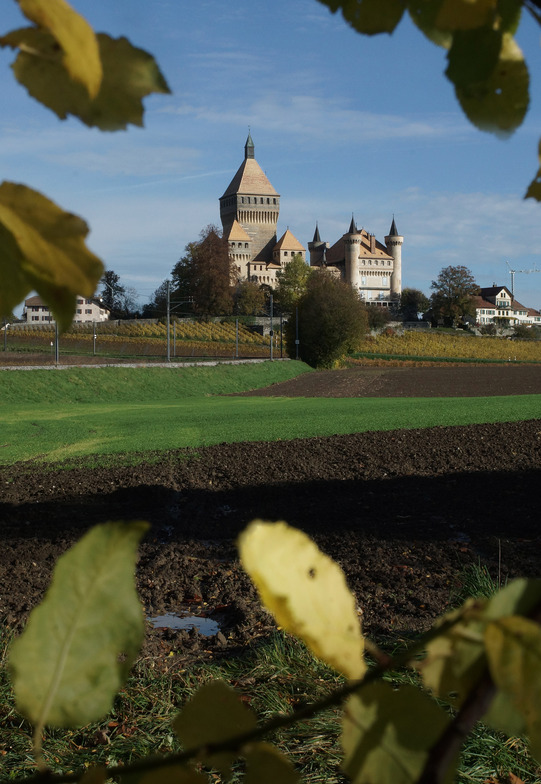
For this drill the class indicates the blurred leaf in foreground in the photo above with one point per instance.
(80, 642)
(42, 248)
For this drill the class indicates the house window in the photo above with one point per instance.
(35, 318)
(88, 310)
(79, 310)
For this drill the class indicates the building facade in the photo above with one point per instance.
(35, 311)
(496, 305)
(249, 211)
(373, 268)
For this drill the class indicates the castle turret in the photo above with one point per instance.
(352, 242)
(394, 242)
(317, 250)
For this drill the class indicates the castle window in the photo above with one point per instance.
(285, 253)
(245, 244)
(268, 201)
(242, 199)
(274, 201)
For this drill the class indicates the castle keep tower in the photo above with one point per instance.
(250, 206)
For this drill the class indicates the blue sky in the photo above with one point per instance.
(341, 123)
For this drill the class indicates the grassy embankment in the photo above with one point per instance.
(52, 415)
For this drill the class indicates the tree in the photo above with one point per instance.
(207, 274)
(120, 300)
(249, 298)
(377, 317)
(454, 290)
(413, 302)
(292, 282)
(157, 307)
(331, 321)
(484, 62)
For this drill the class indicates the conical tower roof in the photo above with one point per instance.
(250, 177)
(393, 231)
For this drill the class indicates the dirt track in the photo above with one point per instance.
(401, 511)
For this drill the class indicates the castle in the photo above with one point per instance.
(249, 211)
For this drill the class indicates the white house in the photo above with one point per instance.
(37, 312)
(496, 305)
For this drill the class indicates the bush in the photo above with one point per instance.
(332, 321)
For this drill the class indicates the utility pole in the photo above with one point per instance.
(513, 272)
(168, 289)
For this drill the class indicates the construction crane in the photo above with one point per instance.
(513, 272)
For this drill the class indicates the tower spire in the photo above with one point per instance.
(249, 147)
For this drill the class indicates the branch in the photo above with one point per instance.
(236, 744)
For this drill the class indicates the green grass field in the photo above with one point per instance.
(52, 416)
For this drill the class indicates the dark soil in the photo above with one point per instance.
(403, 512)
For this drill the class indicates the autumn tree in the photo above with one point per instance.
(249, 298)
(413, 302)
(206, 274)
(454, 289)
(292, 282)
(331, 321)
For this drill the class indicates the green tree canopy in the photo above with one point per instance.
(119, 299)
(413, 302)
(331, 321)
(292, 282)
(249, 298)
(454, 289)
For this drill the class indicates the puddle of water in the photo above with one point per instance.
(206, 626)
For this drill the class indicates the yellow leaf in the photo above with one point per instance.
(129, 74)
(306, 592)
(513, 649)
(42, 248)
(75, 36)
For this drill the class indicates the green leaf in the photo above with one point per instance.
(425, 14)
(42, 248)
(129, 74)
(499, 103)
(66, 666)
(473, 56)
(369, 16)
(534, 189)
(306, 591)
(168, 774)
(465, 14)
(456, 659)
(387, 734)
(513, 647)
(266, 765)
(215, 714)
(79, 48)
